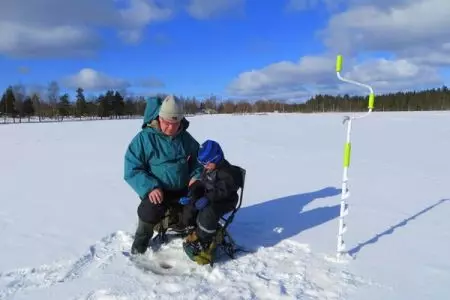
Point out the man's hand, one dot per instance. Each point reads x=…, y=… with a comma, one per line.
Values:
x=156, y=196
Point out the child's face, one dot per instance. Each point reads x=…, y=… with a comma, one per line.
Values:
x=210, y=166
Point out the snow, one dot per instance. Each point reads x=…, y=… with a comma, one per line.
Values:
x=66, y=213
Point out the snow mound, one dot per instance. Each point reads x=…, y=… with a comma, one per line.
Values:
x=288, y=270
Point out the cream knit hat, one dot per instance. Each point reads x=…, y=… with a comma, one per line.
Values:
x=171, y=109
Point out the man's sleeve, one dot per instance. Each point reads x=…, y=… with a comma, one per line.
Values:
x=136, y=172
x=195, y=168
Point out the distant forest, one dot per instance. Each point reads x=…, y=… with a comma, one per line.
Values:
x=16, y=103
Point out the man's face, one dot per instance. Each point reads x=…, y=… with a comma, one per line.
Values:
x=169, y=127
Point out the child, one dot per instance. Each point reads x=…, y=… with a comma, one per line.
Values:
x=211, y=197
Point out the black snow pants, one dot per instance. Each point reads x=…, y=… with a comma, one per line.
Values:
x=206, y=219
x=154, y=213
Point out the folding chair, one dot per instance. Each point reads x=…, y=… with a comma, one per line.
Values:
x=223, y=238
x=162, y=227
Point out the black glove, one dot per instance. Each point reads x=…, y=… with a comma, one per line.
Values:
x=196, y=190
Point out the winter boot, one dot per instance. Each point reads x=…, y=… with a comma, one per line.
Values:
x=200, y=251
x=144, y=233
x=180, y=229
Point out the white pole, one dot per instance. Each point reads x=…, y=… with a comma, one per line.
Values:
x=347, y=151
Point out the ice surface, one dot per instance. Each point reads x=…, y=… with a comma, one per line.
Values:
x=66, y=213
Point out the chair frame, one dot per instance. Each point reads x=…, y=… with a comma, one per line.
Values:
x=227, y=244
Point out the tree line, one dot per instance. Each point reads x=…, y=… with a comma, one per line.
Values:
x=16, y=103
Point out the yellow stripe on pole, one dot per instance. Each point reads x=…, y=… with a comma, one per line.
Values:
x=339, y=63
x=347, y=152
x=371, y=100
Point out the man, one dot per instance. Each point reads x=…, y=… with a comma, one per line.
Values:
x=160, y=165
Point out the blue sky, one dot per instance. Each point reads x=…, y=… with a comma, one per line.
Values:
x=199, y=47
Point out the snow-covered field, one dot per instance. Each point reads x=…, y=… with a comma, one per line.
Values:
x=66, y=213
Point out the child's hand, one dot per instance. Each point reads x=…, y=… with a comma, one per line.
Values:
x=184, y=200
x=201, y=203
x=196, y=190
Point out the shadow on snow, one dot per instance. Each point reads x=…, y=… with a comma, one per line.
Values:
x=268, y=223
x=352, y=252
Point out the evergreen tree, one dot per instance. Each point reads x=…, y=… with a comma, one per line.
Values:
x=19, y=97
x=64, y=106
x=111, y=104
x=36, y=104
x=8, y=103
x=118, y=105
x=105, y=104
x=130, y=107
x=28, y=107
x=81, y=105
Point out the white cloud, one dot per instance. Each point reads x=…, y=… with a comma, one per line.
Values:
x=284, y=77
x=138, y=15
x=334, y=5
x=313, y=75
x=49, y=28
x=438, y=56
x=419, y=27
x=393, y=75
x=205, y=9
x=18, y=40
x=92, y=80
x=55, y=28
x=415, y=32
x=52, y=28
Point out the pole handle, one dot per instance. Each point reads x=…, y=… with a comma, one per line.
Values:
x=371, y=100
x=339, y=63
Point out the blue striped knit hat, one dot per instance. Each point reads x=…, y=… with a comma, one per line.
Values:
x=210, y=152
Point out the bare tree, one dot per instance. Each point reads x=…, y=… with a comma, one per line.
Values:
x=36, y=101
x=53, y=96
